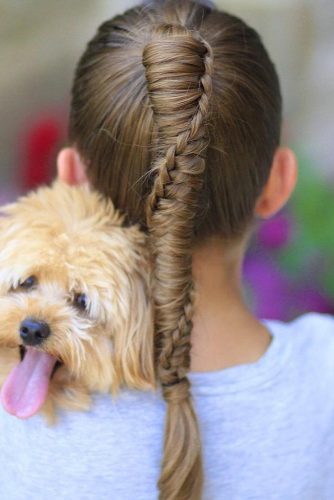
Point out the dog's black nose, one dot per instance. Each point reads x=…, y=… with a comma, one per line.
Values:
x=33, y=332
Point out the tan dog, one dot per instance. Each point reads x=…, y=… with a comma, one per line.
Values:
x=75, y=302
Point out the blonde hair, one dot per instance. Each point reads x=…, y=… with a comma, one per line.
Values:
x=176, y=111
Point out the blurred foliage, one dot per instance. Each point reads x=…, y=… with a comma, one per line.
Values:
x=289, y=269
x=309, y=253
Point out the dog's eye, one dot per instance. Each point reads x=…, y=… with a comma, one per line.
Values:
x=80, y=300
x=28, y=283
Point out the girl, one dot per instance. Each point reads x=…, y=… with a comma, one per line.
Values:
x=176, y=115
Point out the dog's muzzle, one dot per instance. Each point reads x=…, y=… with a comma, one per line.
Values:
x=34, y=332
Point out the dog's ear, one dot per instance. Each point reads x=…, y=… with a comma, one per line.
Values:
x=134, y=344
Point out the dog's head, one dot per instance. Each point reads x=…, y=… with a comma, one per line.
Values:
x=74, y=296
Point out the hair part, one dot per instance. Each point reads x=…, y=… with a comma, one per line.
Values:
x=176, y=111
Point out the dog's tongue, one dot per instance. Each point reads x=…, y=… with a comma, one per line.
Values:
x=26, y=387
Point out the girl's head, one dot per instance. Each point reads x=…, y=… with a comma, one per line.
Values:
x=176, y=115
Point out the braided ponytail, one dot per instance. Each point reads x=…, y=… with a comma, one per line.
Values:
x=178, y=66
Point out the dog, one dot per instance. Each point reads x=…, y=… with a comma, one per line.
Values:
x=75, y=303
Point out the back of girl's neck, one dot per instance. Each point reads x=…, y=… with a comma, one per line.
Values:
x=225, y=332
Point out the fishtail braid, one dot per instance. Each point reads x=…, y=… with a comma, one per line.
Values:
x=179, y=65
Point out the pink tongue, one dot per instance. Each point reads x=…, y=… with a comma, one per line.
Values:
x=26, y=388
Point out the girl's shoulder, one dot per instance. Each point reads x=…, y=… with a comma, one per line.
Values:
x=312, y=332
x=310, y=338
x=313, y=320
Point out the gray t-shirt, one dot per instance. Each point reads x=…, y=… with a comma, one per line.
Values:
x=267, y=432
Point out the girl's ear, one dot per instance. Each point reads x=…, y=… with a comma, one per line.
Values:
x=70, y=167
x=280, y=184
